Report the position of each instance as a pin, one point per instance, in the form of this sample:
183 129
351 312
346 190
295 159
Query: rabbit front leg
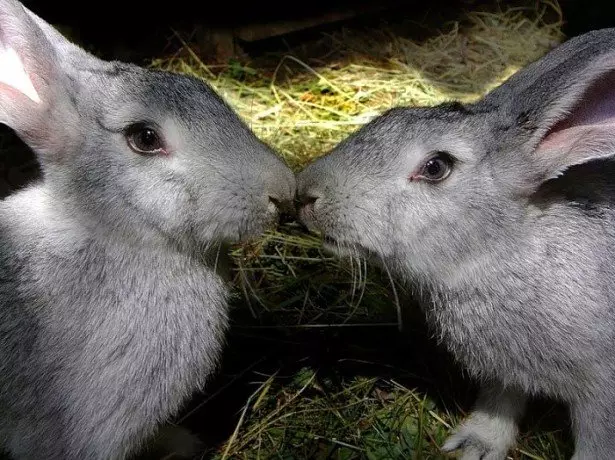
491 429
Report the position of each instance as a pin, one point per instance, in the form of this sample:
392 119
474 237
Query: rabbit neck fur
492 310
90 320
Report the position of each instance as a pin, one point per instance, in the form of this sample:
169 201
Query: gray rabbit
502 214
112 310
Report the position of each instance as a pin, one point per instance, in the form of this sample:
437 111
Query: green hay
302 109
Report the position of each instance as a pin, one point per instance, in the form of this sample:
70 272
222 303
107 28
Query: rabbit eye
436 168
144 139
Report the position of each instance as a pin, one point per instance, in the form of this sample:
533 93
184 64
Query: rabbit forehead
407 135
122 91
430 136
188 98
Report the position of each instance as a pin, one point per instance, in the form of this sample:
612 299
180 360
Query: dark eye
144 139
436 168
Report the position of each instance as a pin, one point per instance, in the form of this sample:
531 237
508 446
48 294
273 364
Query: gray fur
112 307
513 255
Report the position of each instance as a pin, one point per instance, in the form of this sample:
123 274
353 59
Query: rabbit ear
34 88
565 102
582 126
26 60
72 56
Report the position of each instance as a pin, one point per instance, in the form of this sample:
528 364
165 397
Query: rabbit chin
240 232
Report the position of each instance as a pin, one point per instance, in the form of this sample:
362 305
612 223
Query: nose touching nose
286 208
291 195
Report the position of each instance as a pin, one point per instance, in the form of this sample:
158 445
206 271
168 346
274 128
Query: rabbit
500 215
112 308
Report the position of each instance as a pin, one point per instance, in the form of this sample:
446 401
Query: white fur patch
13 74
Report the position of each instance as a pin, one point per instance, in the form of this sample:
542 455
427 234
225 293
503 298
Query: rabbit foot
482 437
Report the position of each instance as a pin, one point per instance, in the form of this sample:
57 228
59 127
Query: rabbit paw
483 437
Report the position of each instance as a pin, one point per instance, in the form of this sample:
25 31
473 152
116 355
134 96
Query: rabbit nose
285 207
305 210
280 188
306 201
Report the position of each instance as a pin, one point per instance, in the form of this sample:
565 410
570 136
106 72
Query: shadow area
337 356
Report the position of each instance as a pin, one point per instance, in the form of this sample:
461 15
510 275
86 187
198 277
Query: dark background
104 24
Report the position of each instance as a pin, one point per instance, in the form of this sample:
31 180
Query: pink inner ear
13 74
591 119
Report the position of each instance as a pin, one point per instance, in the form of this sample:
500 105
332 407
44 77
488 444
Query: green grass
317 366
